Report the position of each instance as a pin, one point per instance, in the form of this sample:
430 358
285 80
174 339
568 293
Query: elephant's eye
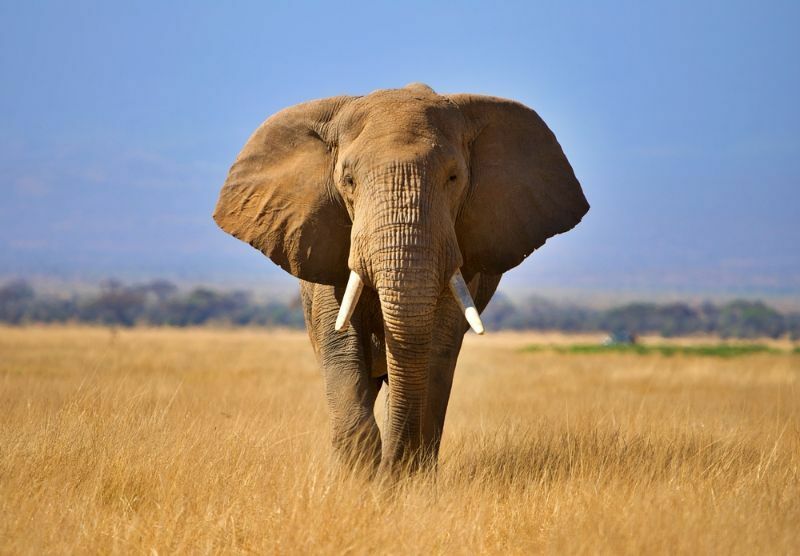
348 181
453 177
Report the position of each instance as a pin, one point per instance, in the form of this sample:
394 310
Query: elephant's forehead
401 114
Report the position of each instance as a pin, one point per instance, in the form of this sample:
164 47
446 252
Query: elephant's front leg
448 336
349 389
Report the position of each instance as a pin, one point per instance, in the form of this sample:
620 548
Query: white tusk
349 301
461 293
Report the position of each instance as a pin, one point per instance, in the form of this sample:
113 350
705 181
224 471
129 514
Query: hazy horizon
681 122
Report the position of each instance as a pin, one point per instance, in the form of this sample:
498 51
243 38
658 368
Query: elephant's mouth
458 287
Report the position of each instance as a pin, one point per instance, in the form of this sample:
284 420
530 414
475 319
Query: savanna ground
215 441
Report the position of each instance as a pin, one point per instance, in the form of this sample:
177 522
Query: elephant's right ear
279 196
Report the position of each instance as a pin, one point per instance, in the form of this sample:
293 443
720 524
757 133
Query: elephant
399 211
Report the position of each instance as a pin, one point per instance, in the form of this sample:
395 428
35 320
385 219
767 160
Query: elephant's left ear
522 187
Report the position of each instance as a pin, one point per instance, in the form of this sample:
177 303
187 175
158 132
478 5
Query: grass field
700 350
215 441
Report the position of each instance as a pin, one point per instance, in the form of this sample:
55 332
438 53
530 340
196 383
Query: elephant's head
399 190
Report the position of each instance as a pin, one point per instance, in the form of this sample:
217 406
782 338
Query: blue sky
120 120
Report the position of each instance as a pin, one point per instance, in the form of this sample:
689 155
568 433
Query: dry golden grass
215 441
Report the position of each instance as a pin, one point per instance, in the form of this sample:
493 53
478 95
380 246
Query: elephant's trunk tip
461 292
349 301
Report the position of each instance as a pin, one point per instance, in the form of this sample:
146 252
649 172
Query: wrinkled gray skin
403 187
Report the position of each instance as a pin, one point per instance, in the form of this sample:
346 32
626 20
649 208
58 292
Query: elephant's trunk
409 298
404 248
408 305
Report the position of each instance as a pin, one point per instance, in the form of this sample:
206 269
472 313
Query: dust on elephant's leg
350 391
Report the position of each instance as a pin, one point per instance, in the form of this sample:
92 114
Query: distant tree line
735 319
158 303
161 303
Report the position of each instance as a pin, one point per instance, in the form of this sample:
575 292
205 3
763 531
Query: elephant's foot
407 459
358 449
